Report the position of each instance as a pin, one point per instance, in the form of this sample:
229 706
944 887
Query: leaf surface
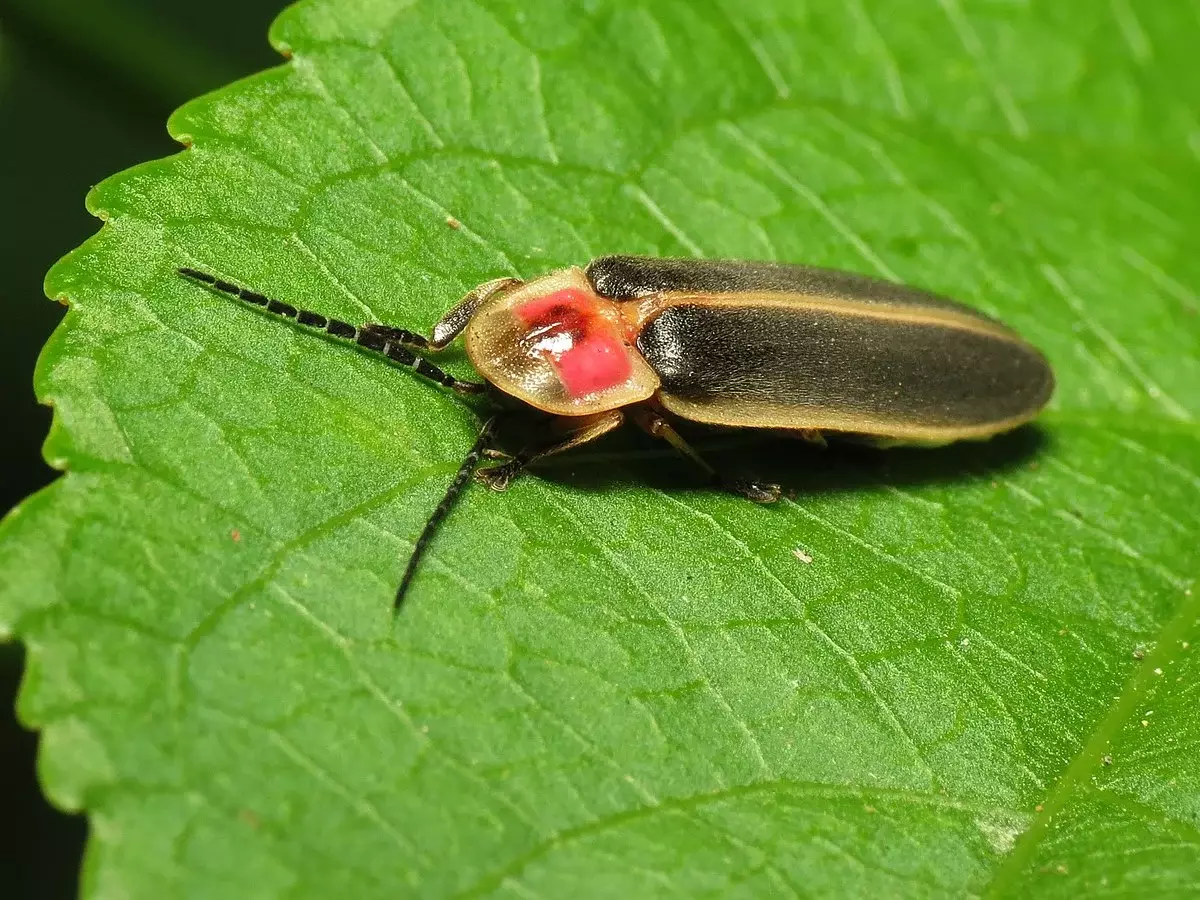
967 671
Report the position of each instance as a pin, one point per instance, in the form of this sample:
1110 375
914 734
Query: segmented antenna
386 340
456 487
392 343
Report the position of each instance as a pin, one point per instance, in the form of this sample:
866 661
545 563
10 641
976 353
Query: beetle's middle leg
584 429
656 426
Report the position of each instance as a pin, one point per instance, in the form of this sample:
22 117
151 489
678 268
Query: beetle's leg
450 325
812 436
583 430
657 426
382 339
453 322
398 335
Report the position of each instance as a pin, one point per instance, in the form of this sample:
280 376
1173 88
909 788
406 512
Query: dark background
85 90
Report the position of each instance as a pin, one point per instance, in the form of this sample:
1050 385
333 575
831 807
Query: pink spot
597 363
567 329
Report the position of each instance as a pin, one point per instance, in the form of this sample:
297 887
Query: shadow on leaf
629 459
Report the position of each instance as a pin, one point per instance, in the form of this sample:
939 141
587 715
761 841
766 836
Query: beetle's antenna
385 340
456 487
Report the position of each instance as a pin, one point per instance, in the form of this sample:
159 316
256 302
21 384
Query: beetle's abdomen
903 376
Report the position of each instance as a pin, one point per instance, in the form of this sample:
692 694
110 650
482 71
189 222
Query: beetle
725 343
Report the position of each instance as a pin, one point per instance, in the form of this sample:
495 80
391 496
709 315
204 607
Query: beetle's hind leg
656 426
583 430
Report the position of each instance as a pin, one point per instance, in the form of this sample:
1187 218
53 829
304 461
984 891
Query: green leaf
609 681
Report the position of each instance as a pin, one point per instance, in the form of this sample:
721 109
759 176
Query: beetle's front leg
581 430
656 426
448 326
453 322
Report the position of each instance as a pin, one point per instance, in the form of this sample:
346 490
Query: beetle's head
555 344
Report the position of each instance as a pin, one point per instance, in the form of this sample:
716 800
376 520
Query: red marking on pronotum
582 344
